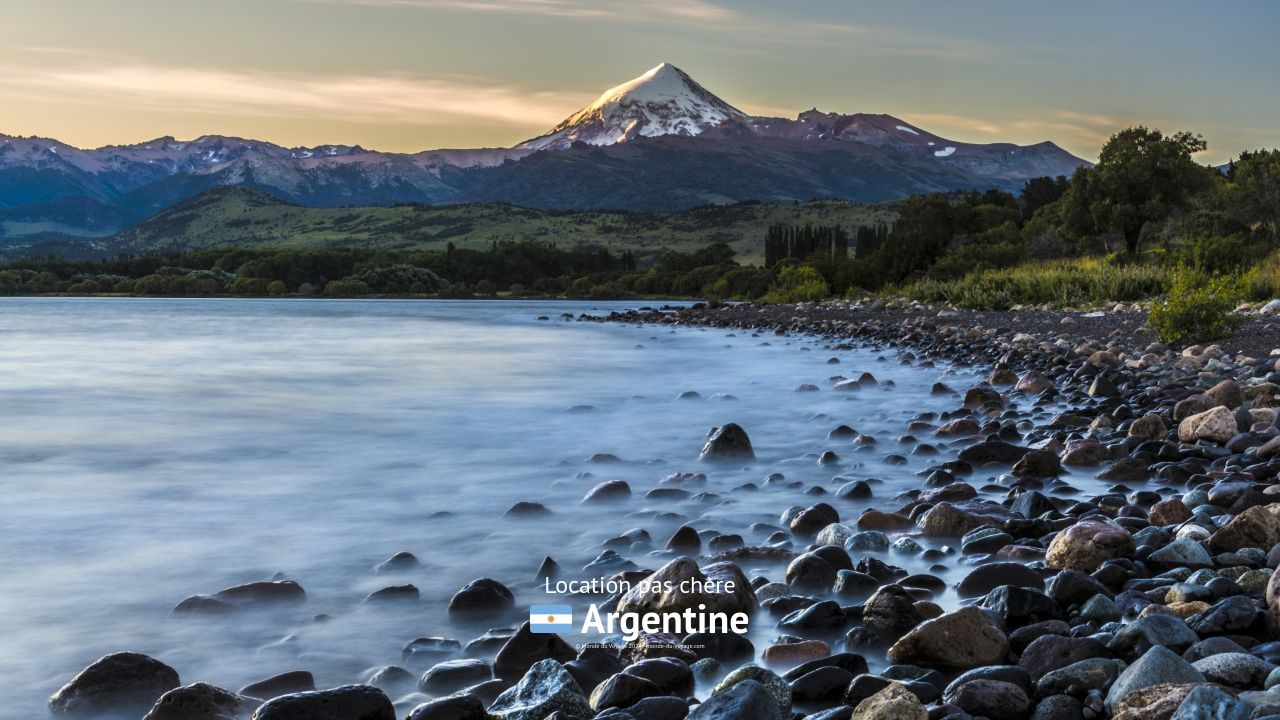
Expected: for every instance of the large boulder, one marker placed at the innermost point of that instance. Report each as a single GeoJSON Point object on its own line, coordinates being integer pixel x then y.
{"type": "Point", "coordinates": [547, 688]}
{"type": "Point", "coordinates": [350, 702]}
{"type": "Point", "coordinates": [956, 641]}
{"type": "Point", "coordinates": [1256, 527]}
{"type": "Point", "coordinates": [720, 587]}
{"type": "Point", "coordinates": [483, 596]}
{"type": "Point", "coordinates": [525, 649]}
{"type": "Point", "coordinates": [123, 683]}
{"type": "Point", "coordinates": [727, 442]}
{"type": "Point", "coordinates": [891, 611]}
{"type": "Point", "coordinates": [265, 593]}
{"type": "Point", "coordinates": [1087, 544]}
{"type": "Point", "coordinates": [1157, 666]}
{"type": "Point", "coordinates": [774, 686]}
{"type": "Point", "coordinates": [1217, 425]}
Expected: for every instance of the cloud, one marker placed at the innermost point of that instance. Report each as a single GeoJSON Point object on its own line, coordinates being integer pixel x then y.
{"type": "Point", "coordinates": [386, 98]}
{"type": "Point", "coordinates": [623, 10]}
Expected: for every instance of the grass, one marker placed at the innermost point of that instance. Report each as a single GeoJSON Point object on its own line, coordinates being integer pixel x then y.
{"type": "Point", "coordinates": [1063, 283]}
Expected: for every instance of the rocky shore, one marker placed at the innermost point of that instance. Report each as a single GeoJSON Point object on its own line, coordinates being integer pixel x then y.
{"type": "Point", "coordinates": [1147, 594]}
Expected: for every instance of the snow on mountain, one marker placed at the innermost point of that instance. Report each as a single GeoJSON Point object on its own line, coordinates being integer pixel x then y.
{"type": "Point", "coordinates": [663, 101]}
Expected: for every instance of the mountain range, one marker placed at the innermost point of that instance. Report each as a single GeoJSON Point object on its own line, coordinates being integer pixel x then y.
{"type": "Point", "coordinates": [658, 143]}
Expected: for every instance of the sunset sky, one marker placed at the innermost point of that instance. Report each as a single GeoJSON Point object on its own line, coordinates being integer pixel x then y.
{"type": "Point", "coordinates": [409, 75]}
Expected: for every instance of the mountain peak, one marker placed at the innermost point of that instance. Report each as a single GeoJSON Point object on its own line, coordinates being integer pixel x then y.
{"type": "Point", "coordinates": [662, 101]}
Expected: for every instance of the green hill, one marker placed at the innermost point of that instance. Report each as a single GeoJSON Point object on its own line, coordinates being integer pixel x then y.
{"type": "Point", "coordinates": [243, 217]}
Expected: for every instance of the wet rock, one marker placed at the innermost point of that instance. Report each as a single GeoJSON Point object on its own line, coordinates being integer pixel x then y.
{"type": "Point", "coordinates": [201, 701]}
{"type": "Point", "coordinates": [451, 675]}
{"type": "Point", "coordinates": [271, 593]}
{"type": "Point", "coordinates": [545, 689]}
{"type": "Point", "coordinates": [992, 452]}
{"type": "Point", "coordinates": [979, 395]}
{"type": "Point", "coordinates": [810, 520]}
{"type": "Point", "coordinates": [786, 655]}
{"type": "Point", "coordinates": [622, 691]}
{"type": "Point", "coordinates": [526, 508]}
{"type": "Point", "coordinates": [670, 675]}
{"type": "Point", "coordinates": [1217, 425]}
{"type": "Point", "coordinates": [393, 680]}
{"type": "Point", "coordinates": [484, 596]}
{"type": "Point", "coordinates": [608, 491]}
{"type": "Point", "coordinates": [1033, 383]}
{"type": "Point", "coordinates": [655, 645]}
{"type": "Point", "coordinates": [1058, 707]}
{"type": "Point", "coordinates": [1226, 393]}
{"type": "Point", "coordinates": [526, 649]}
{"type": "Point", "coordinates": [400, 562]}
{"type": "Point", "coordinates": [727, 442]}
{"type": "Point", "coordinates": [1038, 464]}
{"type": "Point", "coordinates": [453, 707]}
{"type": "Point", "coordinates": [294, 681]}
{"type": "Point", "coordinates": [993, 699]}
{"type": "Point", "coordinates": [894, 702]}
{"type": "Point", "coordinates": [393, 593]}
{"type": "Point", "coordinates": [891, 611]}
{"type": "Point", "coordinates": [1019, 605]}
{"type": "Point", "coordinates": [1157, 666]}
{"type": "Point", "coordinates": [1085, 452]}
{"type": "Point", "coordinates": [1256, 527]}
{"type": "Point", "coordinates": [985, 578]}
{"type": "Point", "coordinates": [947, 520]}
{"type": "Point", "coordinates": [1090, 673]}
{"type": "Point", "coordinates": [1151, 630]}
{"type": "Point", "coordinates": [1181, 553]}
{"type": "Point", "coordinates": [721, 587]}
{"type": "Point", "coordinates": [1149, 427]}
{"type": "Point", "coordinates": [955, 641]}
{"type": "Point", "coordinates": [1206, 702]}
{"type": "Point", "coordinates": [122, 682]}
{"type": "Point", "coordinates": [1085, 545]}
{"type": "Point", "coordinates": [1169, 512]}
{"type": "Point", "coordinates": [744, 700]}
{"type": "Point", "coordinates": [593, 666]}
{"type": "Point", "coordinates": [822, 685]}
{"type": "Point", "coordinates": [659, 708]}
{"type": "Point", "coordinates": [342, 703]}
{"type": "Point", "coordinates": [725, 647]}
{"type": "Point", "coordinates": [810, 573]}
{"type": "Point", "coordinates": [1152, 703]}
{"type": "Point", "coordinates": [774, 687]}
{"type": "Point", "coordinates": [685, 539]}
{"type": "Point", "coordinates": [1051, 652]}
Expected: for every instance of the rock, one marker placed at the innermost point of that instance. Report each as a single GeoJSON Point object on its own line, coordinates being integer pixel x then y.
{"type": "Point", "coordinates": [661, 593]}
{"type": "Point", "coordinates": [350, 702]}
{"type": "Point", "coordinates": [608, 491]}
{"type": "Point", "coordinates": [393, 680]}
{"type": "Point", "coordinates": [295, 681]}
{"type": "Point", "coordinates": [655, 645]}
{"type": "Point", "coordinates": [1091, 673]}
{"type": "Point", "coordinates": [955, 641]}
{"type": "Point", "coordinates": [593, 666]}
{"type": "Point", "coordinates": [985, 578]}
{"type": "Point", "coordinates": [526, 649]}
{"type": "Point", "coordinates": [1148, 427]}
{"type": "Point", "coordinates": [744, 700]}
{"type": "Point", "coordinates": [1085, 452]}
{"type": "Point", "coordinates": [400, 562]}
{"type": "Point", "coordinates": [994, 699]}
{"type": "Point", "coordinates": [1038, 463]}
{"type": "Point", "coordinates": [774, 686]}
{"type": "Point", "coordinates": [891, 611]}
{"type": "Point", "coordinates": [394, 593]}
{"type": "Point", "coordinates": [1226, 393]}
{"type": "Point", "coordinates": [484, 596]}
{"type": "Point", "coordinates": [1181, 553]}
{"type": "Point", "coordinates": [1206, 702]}
{"type": "Point", "coordinates": [453, 707]}
{"type": "Point", "coordinates": [894, 702]}
{"type": "Point", "coordinates": [1217, 425]}
{"type": "Point", "coordinates": [1085, 545]}
{"type": "Point", "coordinates": [123, 682]}
{"type": "Point", "coordinates": [1157, 666]}
{"type": "Point", "coordinates": [247, 596]}
{"type": "Point", "coordinates": [450, 675]}
{"type": "Point", "coordinates": [810, 520]}
{"type": "Point", "coordinates": [810, 573]}
{"type": "Point", "coordinates": [201, 701]}
{"type": "Point", "coordinates": [1051, 652]}
{"type": "Point", "coordinates": [659, 708]}
{"type": "Point", "coordinates": [794, 653]}
{"type": "Point", "coordinates": [1169, 512]}
{"type": "Point", "coordinates": [727, 442]}
{"type": "Point", "coordinates": [1236, 669]}
{"type": "Point", "coordinates": [822, 685]}
{"type": "Point", "coordinates": [622, 691]}
{"type": "Point", "coordinates": [1058, 707]}
{"type": "Point", "coordinates": [1256, 527]}
{"type": "Point", "coordinates": [1154, 703]}
{"type": "Point", "coordinates": [979, 395]}
{"type": "Point", "coordinates": [1033, 383]}
{"type": "Point", "coordinates": [547, 688]}
{"type": "Point", "coordinates": [992, 452]}
{"type": "Point", "coordinates": [947, 520]}
{"type": "Point", "coordinates": [1018, 606]}
{"type": "Point", "coordinates": [1150, 630]}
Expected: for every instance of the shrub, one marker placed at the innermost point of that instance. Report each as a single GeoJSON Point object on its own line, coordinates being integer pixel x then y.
{"type": "Point", "coordinates": [1197, 308]}
{"type": "Point", "coordinates": [276, 288]}
{"type": "Point", "coordinates": [398, 277]}
{"type": "Point", "coordinates": [798, 283]}
{"type": "Point", "coordinates": [346, 287]}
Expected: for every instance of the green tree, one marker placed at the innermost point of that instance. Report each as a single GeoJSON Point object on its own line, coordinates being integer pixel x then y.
{"type": "Point", "coordinates": [1253, 196]}
{"type": "Point", "coordinates": [798, 283]}
{"type": "Point", "coordinates": [1141, 176]}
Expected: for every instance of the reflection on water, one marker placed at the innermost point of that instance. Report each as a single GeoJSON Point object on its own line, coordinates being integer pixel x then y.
{"type": "Point", "coordinates": [155, 449]}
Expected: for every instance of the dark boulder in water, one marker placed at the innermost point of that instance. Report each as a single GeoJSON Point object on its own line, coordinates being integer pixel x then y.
{"type": "Point", "coordinates": [393, 593]}
{"type": "Point", "coordinates": [400, 562]}
{"type": "Point", "coordinates": [283, 684]}
{"type": "Point", "coordinates": [250, 595]}
{"type": "Point", "coordinates": [201, 701]}
{"type": "Point", "coordinates": [728, 441]}
{"type": "Point", "coordinates": [350, 702]}
{"type": "Point", "coordinates": [482, 596]}
{"type": "Point", "coordinates": [526, 508]}
{"type": "Point", "coordinates": [607, 491]}
{"type": "Point", "coordinates": [453, 707]}
{"type": "Point", "coordinates": [525, 649]}
{"type": "Point", "coordinates": [123, 683]}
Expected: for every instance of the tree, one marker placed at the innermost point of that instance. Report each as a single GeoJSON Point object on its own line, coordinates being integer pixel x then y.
{"type": "Point", "coordinates": [1141, 176]}
{"type": "Point", "coordinates": [1253, 196]}
{"type": "Point", "coordinates": [1041, 191]}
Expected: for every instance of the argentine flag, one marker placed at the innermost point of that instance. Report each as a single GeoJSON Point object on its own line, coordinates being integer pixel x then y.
{"type": "Point", "coordinates": [550, 618]}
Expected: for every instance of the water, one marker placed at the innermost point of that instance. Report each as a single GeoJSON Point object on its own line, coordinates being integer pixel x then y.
{"type": "Point", "coordinates": [156, 449]}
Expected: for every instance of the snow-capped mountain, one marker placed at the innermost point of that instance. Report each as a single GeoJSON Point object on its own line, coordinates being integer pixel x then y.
{"type": "Point", "coordinates": [657, 143]}
{"type": "Point", "coordinates": [663, 101]}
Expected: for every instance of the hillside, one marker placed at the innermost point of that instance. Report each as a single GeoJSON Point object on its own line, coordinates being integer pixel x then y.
{"type": "Point", "coordinates": [243, 217]}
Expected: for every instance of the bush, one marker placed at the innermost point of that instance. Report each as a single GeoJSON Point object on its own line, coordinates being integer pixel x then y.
{"type": "Point", "coordinates": [346, 287]}
{"type": "Point", "coordinates": [397, 278]}
{"type": "Point", "coordinates": [276, 288]}
{"type": "Point", "coordinates": [1198, 308]}
{"type": "Point", "coordinates": [798, 283]}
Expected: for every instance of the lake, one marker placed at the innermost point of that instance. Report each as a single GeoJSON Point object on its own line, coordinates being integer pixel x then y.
{"type": "Point", "coordinates": [157, 449]}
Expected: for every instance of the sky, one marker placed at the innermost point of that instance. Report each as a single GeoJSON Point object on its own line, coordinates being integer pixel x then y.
{"type": "Point", "coordinates": [409, 75]}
